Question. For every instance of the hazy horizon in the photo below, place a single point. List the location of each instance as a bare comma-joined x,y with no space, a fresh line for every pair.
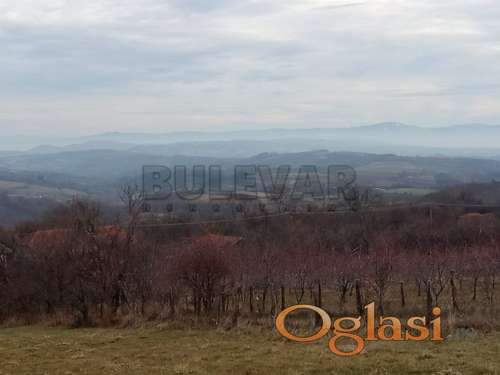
63,136
386,137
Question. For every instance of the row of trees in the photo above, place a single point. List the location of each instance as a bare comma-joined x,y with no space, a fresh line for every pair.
93,272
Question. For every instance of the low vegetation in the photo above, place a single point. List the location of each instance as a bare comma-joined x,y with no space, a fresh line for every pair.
168,350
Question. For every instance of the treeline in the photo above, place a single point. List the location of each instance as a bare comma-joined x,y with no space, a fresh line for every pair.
19,209
86,270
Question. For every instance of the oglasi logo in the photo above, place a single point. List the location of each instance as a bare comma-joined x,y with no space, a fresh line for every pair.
389,328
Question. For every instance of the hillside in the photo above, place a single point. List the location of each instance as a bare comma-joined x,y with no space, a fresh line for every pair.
474,140
107,166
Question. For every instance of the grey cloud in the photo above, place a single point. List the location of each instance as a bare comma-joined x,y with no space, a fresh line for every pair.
235,7
196,63
206,5
338,6
72,58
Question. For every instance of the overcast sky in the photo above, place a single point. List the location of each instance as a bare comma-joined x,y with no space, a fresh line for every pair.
81,67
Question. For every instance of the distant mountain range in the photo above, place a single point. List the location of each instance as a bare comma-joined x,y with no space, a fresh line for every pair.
472,140
372,131
388,134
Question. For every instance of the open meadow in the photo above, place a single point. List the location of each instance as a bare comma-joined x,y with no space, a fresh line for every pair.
258,351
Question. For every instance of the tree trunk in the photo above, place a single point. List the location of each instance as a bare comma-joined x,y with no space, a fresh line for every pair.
402,291
429,303
320,296
250,300
264,297
283,298
474,293
454,293
359,299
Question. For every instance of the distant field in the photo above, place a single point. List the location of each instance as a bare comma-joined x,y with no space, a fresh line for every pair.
37,350
20,189
411,191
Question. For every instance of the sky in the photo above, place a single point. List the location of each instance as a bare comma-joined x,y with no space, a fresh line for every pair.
82,67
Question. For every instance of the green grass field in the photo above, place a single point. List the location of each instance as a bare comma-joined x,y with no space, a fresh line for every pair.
52,351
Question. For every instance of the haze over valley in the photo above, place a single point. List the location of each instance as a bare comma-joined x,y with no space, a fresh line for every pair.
385,156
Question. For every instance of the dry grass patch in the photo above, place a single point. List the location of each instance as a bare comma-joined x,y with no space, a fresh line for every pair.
151,351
